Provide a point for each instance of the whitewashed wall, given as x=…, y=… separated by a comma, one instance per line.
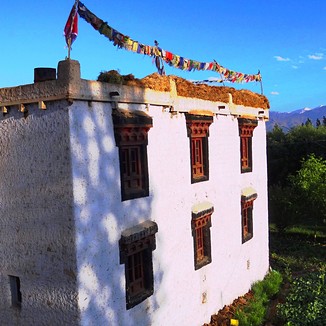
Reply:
x=181, y=295
x=61, y=215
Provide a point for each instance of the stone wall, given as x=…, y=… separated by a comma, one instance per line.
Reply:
x=36, y=217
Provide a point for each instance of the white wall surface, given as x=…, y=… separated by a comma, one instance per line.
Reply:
x=181, y=295
x=61, y=215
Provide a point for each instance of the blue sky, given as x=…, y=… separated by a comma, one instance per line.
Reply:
x=285, y=40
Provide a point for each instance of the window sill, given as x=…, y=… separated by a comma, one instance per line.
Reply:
x=247, y=170
x=137, y=299
x=203, y=262
x=199, y=179
x=134, y=194
x=247, y=238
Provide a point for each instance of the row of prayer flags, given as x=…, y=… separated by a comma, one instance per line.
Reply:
x=124, y=41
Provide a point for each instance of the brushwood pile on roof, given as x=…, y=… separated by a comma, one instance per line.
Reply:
x=188, y=89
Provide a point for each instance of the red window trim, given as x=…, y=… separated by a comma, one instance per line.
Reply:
x=247, y=208
x=197, y=156
x=131, y=136
x=131, y=168
x=198, y=132
x=200, y=224
x=246, y=129
x=136, y=246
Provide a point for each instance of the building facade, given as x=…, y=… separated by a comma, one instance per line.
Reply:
x=126, y=205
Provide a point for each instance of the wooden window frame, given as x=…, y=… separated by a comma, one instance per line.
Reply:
x=246, y=129
x=131, y=136
x=198, y=133
x=134, y=184
x=247, y=209
x=200, y=225
x=136, y=247
x=247, y=220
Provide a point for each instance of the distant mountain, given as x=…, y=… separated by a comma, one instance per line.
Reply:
x=287, y=120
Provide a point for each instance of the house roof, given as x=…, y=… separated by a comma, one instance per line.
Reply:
x=170, y=92
x=186, y=88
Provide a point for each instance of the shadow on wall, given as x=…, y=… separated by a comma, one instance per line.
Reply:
x=101, y=217
x=36, y=219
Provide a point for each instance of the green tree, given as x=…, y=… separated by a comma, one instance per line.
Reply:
x=285, y=151
x=318, y=123
x=282, y=206
x=308, y=122
x=309, y=183
x=277, y=155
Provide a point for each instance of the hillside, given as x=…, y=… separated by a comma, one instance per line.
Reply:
x=287, y=120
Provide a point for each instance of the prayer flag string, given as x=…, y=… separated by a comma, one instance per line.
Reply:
x=123, y=41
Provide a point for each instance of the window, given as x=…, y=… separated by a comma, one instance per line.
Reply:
x=197, y=129
x=131, y=168
x=200, y=224
x=130, y=130
x=136, y=247
x=247, y=199
x=246, y=129
x=16, y=296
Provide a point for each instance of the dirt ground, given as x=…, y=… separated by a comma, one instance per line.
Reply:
x=222, y=318
x=188, y=89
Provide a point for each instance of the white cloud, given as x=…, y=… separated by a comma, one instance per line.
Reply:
x=275, y=93
x=316, y=56
x=324, y=68
x=295, y=67
x=279, y=58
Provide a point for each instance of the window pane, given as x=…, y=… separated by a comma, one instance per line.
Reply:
x=135, y=273
x=134, y=160
x=245, y=152
x=197, y=157
x=247, y=227
x=200, y=243
x=125, y=161
x=131, y=166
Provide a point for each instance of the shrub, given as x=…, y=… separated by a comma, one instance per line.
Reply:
x=252, y=314
x=272, y=283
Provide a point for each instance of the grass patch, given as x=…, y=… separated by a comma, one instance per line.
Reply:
x=308, y=230
x=298, y=250
x=254, y=313
x=298, y=253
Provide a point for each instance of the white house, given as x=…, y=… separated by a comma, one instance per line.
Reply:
x=126, y=205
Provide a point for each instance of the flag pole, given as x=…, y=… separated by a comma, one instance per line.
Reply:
x=69, y=48
x=261, y=83
x=222, y=78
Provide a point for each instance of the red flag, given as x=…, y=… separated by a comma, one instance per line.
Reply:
x=71, y=28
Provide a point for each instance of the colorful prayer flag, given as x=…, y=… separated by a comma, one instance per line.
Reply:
x=71, y=27
x=160, y=55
